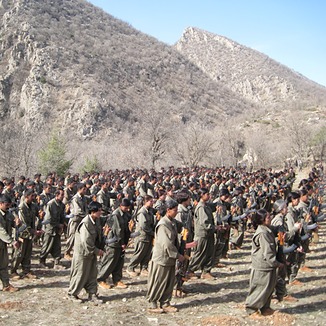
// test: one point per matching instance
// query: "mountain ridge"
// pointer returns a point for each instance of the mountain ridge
(70, 67)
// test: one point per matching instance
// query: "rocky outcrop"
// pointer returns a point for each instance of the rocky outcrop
(245, 71)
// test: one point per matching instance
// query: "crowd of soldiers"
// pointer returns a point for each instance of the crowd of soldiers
(192, 217)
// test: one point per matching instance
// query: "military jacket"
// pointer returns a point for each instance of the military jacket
(165, 251)
(203, 220)
(145, 225)
(55, 214)
(6, 225)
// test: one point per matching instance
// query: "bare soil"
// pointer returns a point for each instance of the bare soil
(209, 302)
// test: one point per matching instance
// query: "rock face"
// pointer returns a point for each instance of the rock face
(72, 65)
(247, 72)
(69, 66)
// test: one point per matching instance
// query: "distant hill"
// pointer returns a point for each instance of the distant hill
(112, 91)
(248, 72)
(70, 62)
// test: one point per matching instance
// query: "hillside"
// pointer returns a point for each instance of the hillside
(113, 92)
(248, 72)
(73, 64)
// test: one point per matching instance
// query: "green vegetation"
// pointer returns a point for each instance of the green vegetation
(91, 165)
(52, 158)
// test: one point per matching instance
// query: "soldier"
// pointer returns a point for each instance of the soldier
(96, 187)
(28, 211)
(129, 190)
(38, 183)
(29, 185)
(45, 197)
(159, 204)
(291, 218)
(223, 227)
(144, 242)
(113, 259)
(6, 225)
(185, 218)
(78, 209)
(304, 219)
(84, 262)
(238, 227)
(285, 237)
(142, 186)
(214, 190)
(70, 191)
(162, 269)
(53, 227)
(20, 186)
(264, 265)
(204, 234)
(103, 197)
(151, 186)
(9, 191)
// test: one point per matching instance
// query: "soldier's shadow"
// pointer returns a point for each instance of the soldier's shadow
(119, 296)
(58, 284)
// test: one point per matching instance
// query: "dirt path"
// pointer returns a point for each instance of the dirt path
(215, 302)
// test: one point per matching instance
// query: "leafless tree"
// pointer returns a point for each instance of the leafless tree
(195, 145)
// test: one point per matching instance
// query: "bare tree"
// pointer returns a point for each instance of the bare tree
(319, 144)
(300, 138)
(195, 145)
(16, 150)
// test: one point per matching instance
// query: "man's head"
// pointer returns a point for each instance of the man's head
(5, 202)
(29, 195)
(59, 195)
(95, 209)
(125, 205)
(171, 208)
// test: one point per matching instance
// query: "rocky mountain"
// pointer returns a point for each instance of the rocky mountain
(70, 63)
(248, 72)
(70, 67)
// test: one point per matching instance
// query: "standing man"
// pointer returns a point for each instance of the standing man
(202, 258)
(78, 209)
(117, 240)
(142, 185)
(84, 262)
(22, 256)
(162, 267)
(144, 242)
(6, 225)
(53, 227)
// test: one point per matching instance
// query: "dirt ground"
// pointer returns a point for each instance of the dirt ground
(209, 302)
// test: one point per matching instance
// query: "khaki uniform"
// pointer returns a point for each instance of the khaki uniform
(263, 271)
(22, 255)
(144, 242)
(161, 278)
(83, 267)
(55, 214)
(292, 258)
(202, 258)
(6, 225)
(78, 208)
(221, 242)
(113, 259)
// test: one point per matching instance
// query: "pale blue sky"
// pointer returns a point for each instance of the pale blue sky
(292, 32)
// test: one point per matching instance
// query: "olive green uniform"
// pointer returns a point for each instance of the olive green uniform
(144, 242)
(83, 267)
(202, 258)
(54, 217)
(263, 270)
(161, 278)
(113, 259)
(6, 225)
